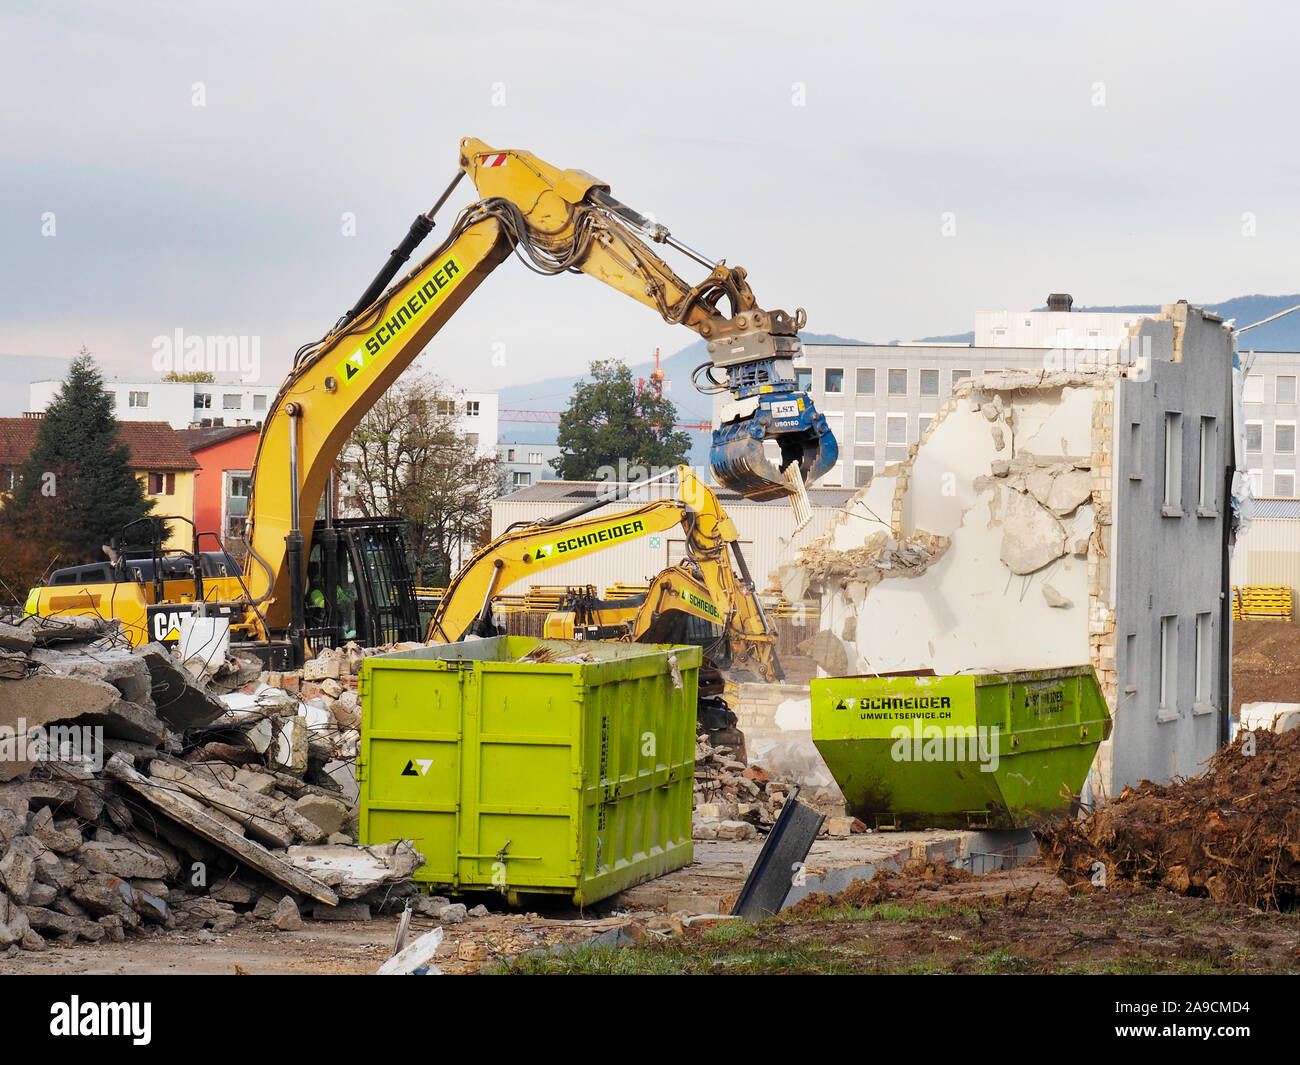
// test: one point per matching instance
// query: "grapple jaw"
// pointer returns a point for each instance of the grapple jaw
(741, 462)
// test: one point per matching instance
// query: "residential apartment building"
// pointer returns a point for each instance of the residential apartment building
(879, 399)
(1269, 406)
(180, 404)
(523, 464)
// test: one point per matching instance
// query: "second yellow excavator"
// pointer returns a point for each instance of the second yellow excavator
(702, 586)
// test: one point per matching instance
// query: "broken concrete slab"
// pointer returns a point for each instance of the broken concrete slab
(257, 813)
(179, 701)
(1031, 536)
(162, 799)
(63, 837)
(356, 871)
(42, 700)
(344, 911)
(13, 638)
(51, 921)
(123, 859)
(328, 814)
(118, 666)
(286, 916)
(14, 922)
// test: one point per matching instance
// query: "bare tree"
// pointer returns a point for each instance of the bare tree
(410, 458)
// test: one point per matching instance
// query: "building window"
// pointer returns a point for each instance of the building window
(1135, 451)
(471, 439)
(1204, 660)
(1256, 483)
(896, 429)
(929, 382)
(1286, 389)
(1169, 666)
(521, 479)
(1253, 390)
(534, 458)
(259, 402)
(803, 378)
(1284, 485)
(862, 474)
(510, 454)
(1254, 436)
(9, 479)
(865, 432)
(1284, 438)
(162, 484)
(834, 477)
(232, 401)
(202, 400)
(959, 375)
(866, 381)
(1130, 662)
(1209, 464)
(445, 407)
(1173, 462)
(471, 408)
(137, 399)
(898, 382)
(834, 381)
(923, 423)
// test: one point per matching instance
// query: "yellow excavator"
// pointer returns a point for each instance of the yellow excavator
(771, 443)
(702, 586)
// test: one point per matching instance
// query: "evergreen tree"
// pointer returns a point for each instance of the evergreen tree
(608, 420)
(77, 480)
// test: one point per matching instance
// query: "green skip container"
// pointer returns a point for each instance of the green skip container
(993, 750)
(568, 774)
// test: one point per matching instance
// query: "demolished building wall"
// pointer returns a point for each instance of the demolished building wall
(993, 546)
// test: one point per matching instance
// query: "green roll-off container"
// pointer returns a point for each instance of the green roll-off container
(571, 775)
(994, 750)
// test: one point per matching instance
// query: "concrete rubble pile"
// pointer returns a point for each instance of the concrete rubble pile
(134, 799)
(735, 801)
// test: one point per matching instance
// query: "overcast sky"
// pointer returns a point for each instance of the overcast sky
(1109, 150)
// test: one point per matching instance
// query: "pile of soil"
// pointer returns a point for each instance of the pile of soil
(915, 878)
(1265, 662)
(1232, 834)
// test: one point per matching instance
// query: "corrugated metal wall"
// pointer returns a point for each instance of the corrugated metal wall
(766, 535)
(1268, 553)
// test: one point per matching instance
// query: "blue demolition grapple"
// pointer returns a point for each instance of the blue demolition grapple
(784, 415)
(766, 405)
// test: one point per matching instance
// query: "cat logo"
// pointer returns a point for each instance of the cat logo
(165, 625)
(423, 763)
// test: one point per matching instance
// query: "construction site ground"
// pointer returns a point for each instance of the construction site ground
(1019, 920)
(708, 886)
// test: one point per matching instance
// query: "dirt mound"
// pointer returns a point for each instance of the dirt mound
(1265, 661)
(885, 886)
(1232, 834)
